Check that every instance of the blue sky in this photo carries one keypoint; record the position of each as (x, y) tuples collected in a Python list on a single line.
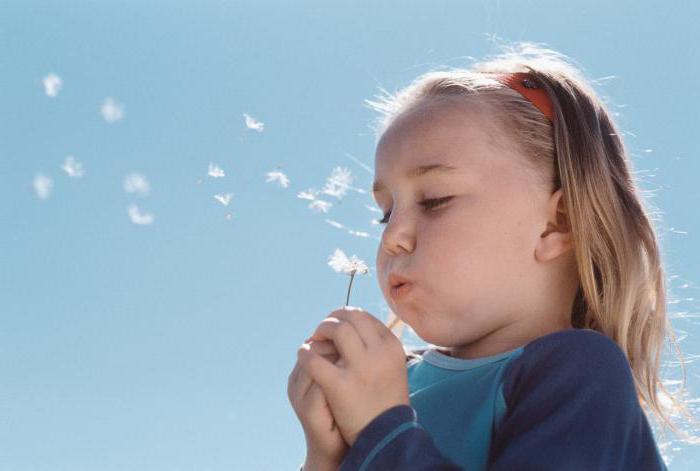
[(167, 346)]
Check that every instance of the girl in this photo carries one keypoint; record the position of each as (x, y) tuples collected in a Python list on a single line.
[(517, 245)]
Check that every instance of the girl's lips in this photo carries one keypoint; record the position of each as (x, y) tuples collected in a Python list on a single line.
[(399, 292)]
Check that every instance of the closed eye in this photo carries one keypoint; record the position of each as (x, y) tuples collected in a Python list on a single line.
[(427, 204)]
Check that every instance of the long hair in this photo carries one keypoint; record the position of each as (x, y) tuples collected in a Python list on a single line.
[(621, 290)]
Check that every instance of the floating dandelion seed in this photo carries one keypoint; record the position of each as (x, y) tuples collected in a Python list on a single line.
[(309, 194), (224, 199), (136, 183), (338, 182), (350, 266), (251, 123), (215, 171), (320, 205), (358, 233), (52, 85), (335, 223), (43, 186), (72, 167), (279, 176), (111, 110), (139, 218)]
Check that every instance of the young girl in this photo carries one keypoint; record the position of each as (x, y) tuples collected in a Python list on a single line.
[(517, 245)]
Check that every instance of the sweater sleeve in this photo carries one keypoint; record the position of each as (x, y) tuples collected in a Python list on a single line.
[(572, 404), (394, 441)]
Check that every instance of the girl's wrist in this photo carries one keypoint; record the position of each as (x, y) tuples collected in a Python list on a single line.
[(313, 463)]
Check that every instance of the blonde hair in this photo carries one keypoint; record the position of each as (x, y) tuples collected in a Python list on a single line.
[(621, 290)]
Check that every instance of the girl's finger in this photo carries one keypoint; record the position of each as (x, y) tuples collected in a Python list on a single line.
[(345, 337), (370, 328), (303, 380), (323, 347), (319, 368)]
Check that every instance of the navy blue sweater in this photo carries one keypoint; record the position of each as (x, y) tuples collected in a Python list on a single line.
[(564, 401)]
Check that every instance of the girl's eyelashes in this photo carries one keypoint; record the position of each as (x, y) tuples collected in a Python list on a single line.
[(427, 204)]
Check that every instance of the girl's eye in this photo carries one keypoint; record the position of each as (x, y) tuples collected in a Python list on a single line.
[(428, 204)]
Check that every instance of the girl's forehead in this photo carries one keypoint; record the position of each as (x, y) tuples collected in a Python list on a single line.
[(423, 138)]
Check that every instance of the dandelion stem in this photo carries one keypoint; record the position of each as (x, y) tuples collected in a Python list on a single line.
[(352, 275)]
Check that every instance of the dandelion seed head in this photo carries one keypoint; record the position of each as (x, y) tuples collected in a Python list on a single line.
[(341, 263)]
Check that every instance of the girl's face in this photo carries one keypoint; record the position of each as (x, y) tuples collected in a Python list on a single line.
[(477, 287)]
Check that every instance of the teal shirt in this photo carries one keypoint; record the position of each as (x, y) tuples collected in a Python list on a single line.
[(460, 402)]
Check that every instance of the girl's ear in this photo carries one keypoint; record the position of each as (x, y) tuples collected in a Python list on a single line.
[(557, 238)]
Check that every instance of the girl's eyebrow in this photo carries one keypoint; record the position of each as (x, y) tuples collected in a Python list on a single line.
[(416, 172)]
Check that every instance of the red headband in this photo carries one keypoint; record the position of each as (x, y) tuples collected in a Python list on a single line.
[(528, 87)]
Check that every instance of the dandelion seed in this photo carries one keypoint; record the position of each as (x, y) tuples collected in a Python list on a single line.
[(136, 183), (215, 171), (338, 182), (359, 233), (350, 266), (279, 176), (43, 186), (310, 194), (52, 84), (111, 110), (72, 167), (334, 223), (139, 218), (320, 205), (228, 216), (251, 123), (224, 199), (373, 209)]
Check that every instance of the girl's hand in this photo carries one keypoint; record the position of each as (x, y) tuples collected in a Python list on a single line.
[(325, 446), (373, 378)]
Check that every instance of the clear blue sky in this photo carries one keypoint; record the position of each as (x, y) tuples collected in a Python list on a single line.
[(167, 346)]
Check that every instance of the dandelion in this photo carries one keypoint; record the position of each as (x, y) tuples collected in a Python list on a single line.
[(72, 167), (350, 266), (52, 84), (215, 171)]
